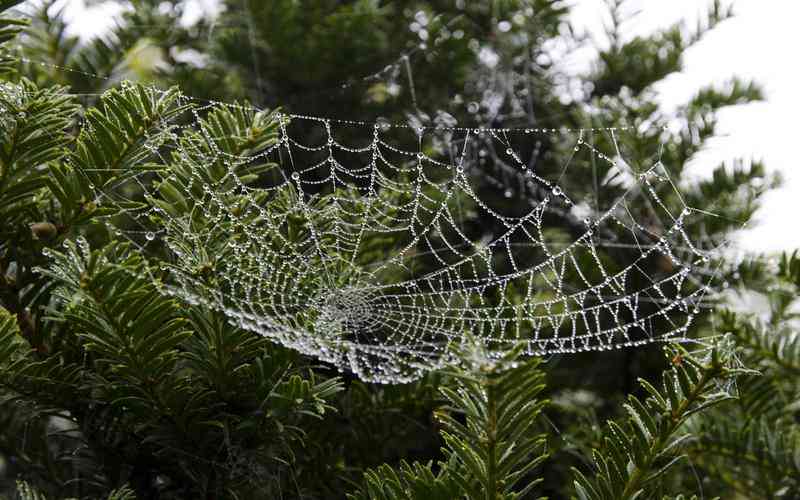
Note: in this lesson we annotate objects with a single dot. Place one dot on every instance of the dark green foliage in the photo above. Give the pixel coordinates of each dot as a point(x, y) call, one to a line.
point(10, 27)
point(114, 134)
point(636, 64)
point(143, 47)
point(637, 455)
point(491, 445)
point(107, 382)
point(373, 425)
point(753, 447)
point(33, 132)
point(27, 492)
point(189, 400)
point(113, 381)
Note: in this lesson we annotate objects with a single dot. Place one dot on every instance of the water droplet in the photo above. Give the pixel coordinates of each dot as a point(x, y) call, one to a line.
point(150, 236)
point(557, 191)
point(296, 176)
point(383, 124)
point(508, 151)
point(420, 155)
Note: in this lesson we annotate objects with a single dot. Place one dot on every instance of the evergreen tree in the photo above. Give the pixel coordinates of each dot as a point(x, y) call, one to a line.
point(106, 384)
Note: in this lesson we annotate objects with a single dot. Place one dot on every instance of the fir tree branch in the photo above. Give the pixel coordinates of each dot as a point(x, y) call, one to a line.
point(641, 451)
point(487, 426)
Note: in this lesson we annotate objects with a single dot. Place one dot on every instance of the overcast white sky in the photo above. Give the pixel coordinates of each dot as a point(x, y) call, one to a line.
point(759, 43)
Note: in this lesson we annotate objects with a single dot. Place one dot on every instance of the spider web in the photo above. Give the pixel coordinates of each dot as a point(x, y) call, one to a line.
point(386, 249)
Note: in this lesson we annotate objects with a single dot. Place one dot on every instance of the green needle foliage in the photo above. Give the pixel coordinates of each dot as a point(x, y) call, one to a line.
point(637, 454)
point(491, 442)
point(212, 416)
point(27, 492)
point(10, 27)
point(111, 389)
point(752, 448)
point(105, 380)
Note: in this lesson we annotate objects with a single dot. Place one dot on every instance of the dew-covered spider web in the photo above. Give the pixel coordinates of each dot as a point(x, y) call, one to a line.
point(384, 249)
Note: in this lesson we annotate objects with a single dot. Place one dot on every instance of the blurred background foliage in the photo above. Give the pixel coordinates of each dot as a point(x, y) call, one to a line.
point(287, 427)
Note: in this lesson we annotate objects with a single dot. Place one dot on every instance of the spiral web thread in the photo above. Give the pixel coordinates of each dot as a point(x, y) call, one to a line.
point(385, 249)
